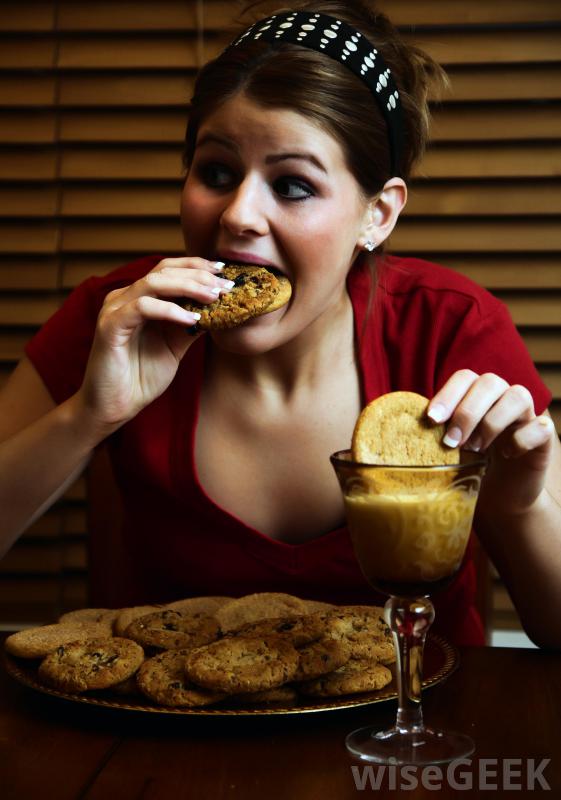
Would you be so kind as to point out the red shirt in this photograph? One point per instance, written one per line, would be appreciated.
(425, 323)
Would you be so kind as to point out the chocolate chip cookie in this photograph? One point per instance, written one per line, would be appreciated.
(169, 629)
(256, 291)
(162, 679)
(243, 664)
(92, 664)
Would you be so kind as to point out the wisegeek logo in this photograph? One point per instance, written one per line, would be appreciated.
(484, 774)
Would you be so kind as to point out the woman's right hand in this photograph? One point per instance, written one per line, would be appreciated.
(141, 337)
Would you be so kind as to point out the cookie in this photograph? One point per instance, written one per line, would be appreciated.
(256, 291)
(106, 616)
(92, 664)
(243, 664)
(354, 677)
(128, 615)
(300, 630)
(199, 605)
(38, 642)
(255, 607)
(285, 695)
(394, 430)
(364, 630)
(321, 657)
(169, 629)
(317, 605)
(162, 679)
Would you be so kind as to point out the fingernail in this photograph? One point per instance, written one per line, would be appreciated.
(437, 413)
(195, 315)
(228, 285)
(453, 437)
(219, 265)
(216, 290)
(474, 446)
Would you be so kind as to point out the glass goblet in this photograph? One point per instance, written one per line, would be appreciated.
(409, 527)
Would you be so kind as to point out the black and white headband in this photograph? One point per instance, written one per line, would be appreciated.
(345, 44)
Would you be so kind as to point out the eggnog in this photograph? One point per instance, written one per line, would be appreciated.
(410, 542)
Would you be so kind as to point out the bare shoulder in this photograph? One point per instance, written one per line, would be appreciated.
(23, 399)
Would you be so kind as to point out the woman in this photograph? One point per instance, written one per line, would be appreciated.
(301, 138)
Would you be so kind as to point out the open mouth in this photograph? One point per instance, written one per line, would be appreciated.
(274, 270)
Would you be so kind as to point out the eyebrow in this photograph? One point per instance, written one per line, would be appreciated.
(212, 138)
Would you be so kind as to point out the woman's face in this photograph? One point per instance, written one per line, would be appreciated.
(267, 186)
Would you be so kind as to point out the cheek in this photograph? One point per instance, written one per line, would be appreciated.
(197, 214)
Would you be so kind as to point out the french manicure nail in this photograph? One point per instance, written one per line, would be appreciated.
(453, 437)
(437, 413)
(219, 265)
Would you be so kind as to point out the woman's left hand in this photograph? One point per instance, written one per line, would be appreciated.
(484, 413)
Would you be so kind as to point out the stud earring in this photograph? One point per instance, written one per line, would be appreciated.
(369, 245)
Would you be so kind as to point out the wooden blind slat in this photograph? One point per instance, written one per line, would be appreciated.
(129, 237)
(505, 122)
(27, 311)
(515, 82)
(154, 201)
(478, 235)
(27, 90)
(130, 52)
(537, 309)
(543, 346)
(500, 160)
(504, 272)
(31, 15)
(26, 127)
(114, 163)
(149, 89)
(123, 126)
(30, 237)
(459, 12)
(489, 47)
(131, 16)
(27, 53)
(528, 199)
(27, 164)
(39, 201)
(551, 376)
(28, 274)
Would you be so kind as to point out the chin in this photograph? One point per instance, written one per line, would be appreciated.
(255, 337)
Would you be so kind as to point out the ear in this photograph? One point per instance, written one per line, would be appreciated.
(383, 212)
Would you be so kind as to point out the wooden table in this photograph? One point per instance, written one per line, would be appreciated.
(508, 700)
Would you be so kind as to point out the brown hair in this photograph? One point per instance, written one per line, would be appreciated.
(327, 92)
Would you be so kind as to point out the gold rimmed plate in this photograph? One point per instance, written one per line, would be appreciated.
(440, 660)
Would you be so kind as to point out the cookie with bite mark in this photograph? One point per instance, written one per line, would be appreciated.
(256, 291)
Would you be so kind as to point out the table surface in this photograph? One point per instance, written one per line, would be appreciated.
(508, 700)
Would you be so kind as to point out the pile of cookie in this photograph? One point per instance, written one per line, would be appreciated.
(265, 648)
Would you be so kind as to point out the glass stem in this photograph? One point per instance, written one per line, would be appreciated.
(409, 620)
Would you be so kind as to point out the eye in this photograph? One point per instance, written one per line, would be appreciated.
(292, 188)
(215, 175)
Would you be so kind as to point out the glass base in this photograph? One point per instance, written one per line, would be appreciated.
(424, 746)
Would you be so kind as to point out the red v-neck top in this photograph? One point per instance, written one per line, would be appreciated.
(425, 323)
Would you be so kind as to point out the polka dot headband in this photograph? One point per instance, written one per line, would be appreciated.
(345, 44)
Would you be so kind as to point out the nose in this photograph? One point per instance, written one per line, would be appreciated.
(244, 213)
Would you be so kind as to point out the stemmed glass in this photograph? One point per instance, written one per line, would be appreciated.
(409, 527)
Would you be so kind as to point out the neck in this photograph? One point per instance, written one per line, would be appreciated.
(296, 368)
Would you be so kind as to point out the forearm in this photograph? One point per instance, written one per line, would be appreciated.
(39, 463)
(526, 550)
